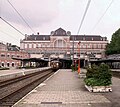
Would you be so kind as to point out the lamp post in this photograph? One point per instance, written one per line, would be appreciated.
(79, 58)
(73, 52)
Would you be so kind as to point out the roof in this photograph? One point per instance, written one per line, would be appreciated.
(88, 38)
(31, 59)
(13, 48)
(59, 32)
(38, 37)
(105, 60)
(62, 32)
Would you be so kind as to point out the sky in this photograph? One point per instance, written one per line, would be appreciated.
(44, 16)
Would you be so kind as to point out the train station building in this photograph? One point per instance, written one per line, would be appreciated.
(8, 52)
(59, 43)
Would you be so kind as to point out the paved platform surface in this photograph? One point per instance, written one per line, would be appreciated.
(14, 71)
(114, 96)
(11, 74)
(64, 89)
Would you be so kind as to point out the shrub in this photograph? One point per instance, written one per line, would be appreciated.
(98, 76)
(92, 72)
(74, 67)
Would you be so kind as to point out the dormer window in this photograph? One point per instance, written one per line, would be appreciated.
(74, 38)
(43, 38)
(63, 33)
(83, 38)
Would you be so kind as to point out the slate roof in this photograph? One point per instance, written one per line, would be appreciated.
(59, 32)
(62, 32)
(38, 37)
(13, 48)
(88, 38)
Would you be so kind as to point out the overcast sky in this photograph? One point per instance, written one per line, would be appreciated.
(45, 16)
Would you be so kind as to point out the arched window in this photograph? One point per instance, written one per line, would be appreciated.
(59, 43)
(3, 64)
(8, 64)
(13, 64)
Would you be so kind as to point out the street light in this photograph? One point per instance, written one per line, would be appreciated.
(73, 51)
(79, 58)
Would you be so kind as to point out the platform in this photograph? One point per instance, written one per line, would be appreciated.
(63, 89)
(11, 74)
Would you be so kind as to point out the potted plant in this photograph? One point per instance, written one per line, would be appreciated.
(74, 67)
(98, 78)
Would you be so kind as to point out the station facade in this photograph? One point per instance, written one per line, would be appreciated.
(62, 44)
(8, 52)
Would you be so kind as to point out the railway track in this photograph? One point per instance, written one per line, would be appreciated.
(12, 90)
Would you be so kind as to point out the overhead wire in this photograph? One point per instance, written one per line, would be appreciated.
(20, 16)
(0, 7)
(8, 34)
(11, 26)
(88, 4)
(102, 16)
(5, 21)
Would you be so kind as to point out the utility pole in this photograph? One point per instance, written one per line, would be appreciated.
(79, 57)
(73, 51)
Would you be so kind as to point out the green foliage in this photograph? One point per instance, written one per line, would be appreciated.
(98, 76)
(92, 72)
(97, 82)
(74, 67)
(114, 46)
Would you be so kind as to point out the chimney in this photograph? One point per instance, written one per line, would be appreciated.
(37, 33)
(26, 36)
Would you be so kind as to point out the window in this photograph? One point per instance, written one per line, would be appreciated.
(84, 45)
(2, 55)
(13, 64)
(88, 46)
(83, 38)
(34, 46)
(18, 56)
(104, 46)
(25, 45)
(43, 45)
(8, 64)
(74, 38)
(39, 45)
(94, 45)
(59, 43)
(43, 38)
(99, 45)
(2, 64)
(8, 55)
(12, 56)
(21, 45)
(30, 45)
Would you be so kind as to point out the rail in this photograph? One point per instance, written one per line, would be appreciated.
(12, 83)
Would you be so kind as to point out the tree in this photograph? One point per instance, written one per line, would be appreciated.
(114, 46)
